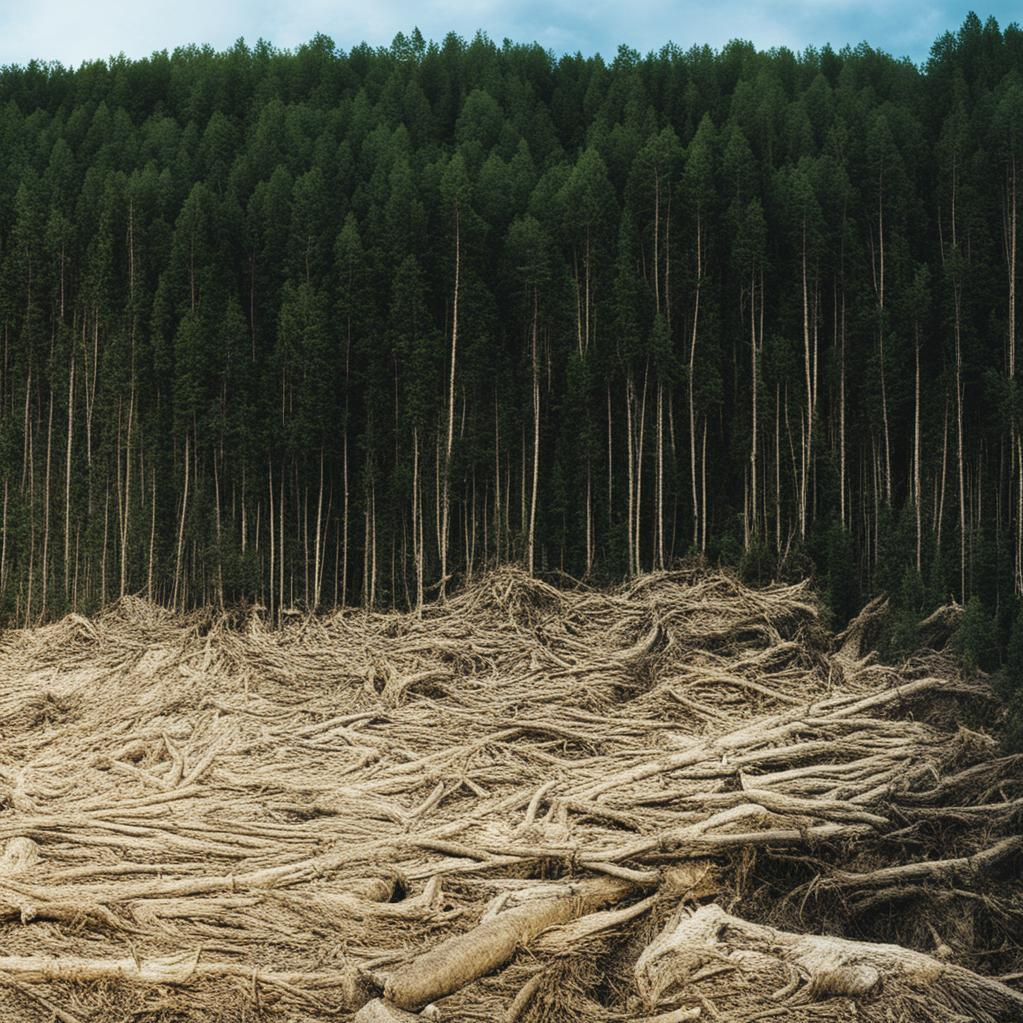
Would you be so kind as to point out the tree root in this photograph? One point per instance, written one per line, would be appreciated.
(824, 968)
(487, 809)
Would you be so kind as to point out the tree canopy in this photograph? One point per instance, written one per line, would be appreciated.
(312, 327)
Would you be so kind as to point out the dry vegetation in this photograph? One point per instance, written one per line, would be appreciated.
(678, 800)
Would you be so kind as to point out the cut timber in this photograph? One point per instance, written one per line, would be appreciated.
(171, 970)
(380, 1011)
(824, 966)
(19, 856)
(460, 960)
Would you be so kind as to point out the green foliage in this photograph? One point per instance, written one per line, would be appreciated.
(841, 583)
(250, 257)
(975, 638)
(1009, 682)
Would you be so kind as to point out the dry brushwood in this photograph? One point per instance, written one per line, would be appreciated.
(491, 809)
(709, 953)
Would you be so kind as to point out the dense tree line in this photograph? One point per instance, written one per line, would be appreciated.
(319, 327)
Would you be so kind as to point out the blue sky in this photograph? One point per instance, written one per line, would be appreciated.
(72, 30)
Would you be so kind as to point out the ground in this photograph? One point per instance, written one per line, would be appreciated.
(677, 799)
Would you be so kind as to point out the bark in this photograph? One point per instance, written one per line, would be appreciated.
(181, 525)
(449, 444)
(821, 965)
(460, 960)
(531, 539)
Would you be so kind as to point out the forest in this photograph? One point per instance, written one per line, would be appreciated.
(488, 534)
(313, 328)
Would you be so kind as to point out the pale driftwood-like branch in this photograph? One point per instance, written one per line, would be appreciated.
(825, 967)
(451, 965)
(482, 807)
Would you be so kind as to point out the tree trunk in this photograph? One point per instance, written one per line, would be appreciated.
(451, 417)
(692, 374)
(67, 477)
(181, 527)
(531, 540)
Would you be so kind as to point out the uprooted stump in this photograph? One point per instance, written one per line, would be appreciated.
(741, 965)
(508, 807)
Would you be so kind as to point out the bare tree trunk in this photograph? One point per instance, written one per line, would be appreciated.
(589, 520)
(657, 233)
(639, 470)
(46, 505)
(692, 374)
(629, 388)
(67, 477)
(220, 548)
(944, 468)
(181, 527)
(586, 336)
(318, 548)
(807, 432)
(752, 529)
(1019, 502)
(451, 417)
(303, 504)
(777, 469)
(531, 540)
(1012, 268)
(3, 547)
(26, 433)
(1019, 508)
(659, 485)
(880, 337)
(497, 479)
(703, 493)
(959, 447)
(271, 523)
(1011, 343)
(152, 538)
(417, 520)
(125, 518)
(373, 544)
(610, 463)
(841, 421)
(106, 533)
(916, 451)
(30, 446)
(344, 516)
(280, 551)
(884, 420)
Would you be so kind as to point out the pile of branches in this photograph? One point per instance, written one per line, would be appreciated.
(679, 799)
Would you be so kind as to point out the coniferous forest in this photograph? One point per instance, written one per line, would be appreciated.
(325, 326)
(488, 534)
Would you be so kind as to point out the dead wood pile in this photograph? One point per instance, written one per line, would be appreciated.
(679, 799)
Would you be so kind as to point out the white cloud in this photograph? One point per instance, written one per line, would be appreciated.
(71, 31)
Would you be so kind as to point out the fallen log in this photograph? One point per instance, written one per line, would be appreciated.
(172, 970)
(460, 960)
(380, 1011)
(824, 967)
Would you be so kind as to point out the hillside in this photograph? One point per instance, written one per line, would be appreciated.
(341, 326)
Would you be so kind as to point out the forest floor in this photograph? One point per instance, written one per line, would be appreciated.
(680, 799)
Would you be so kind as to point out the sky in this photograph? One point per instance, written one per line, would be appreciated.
(71, 31)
